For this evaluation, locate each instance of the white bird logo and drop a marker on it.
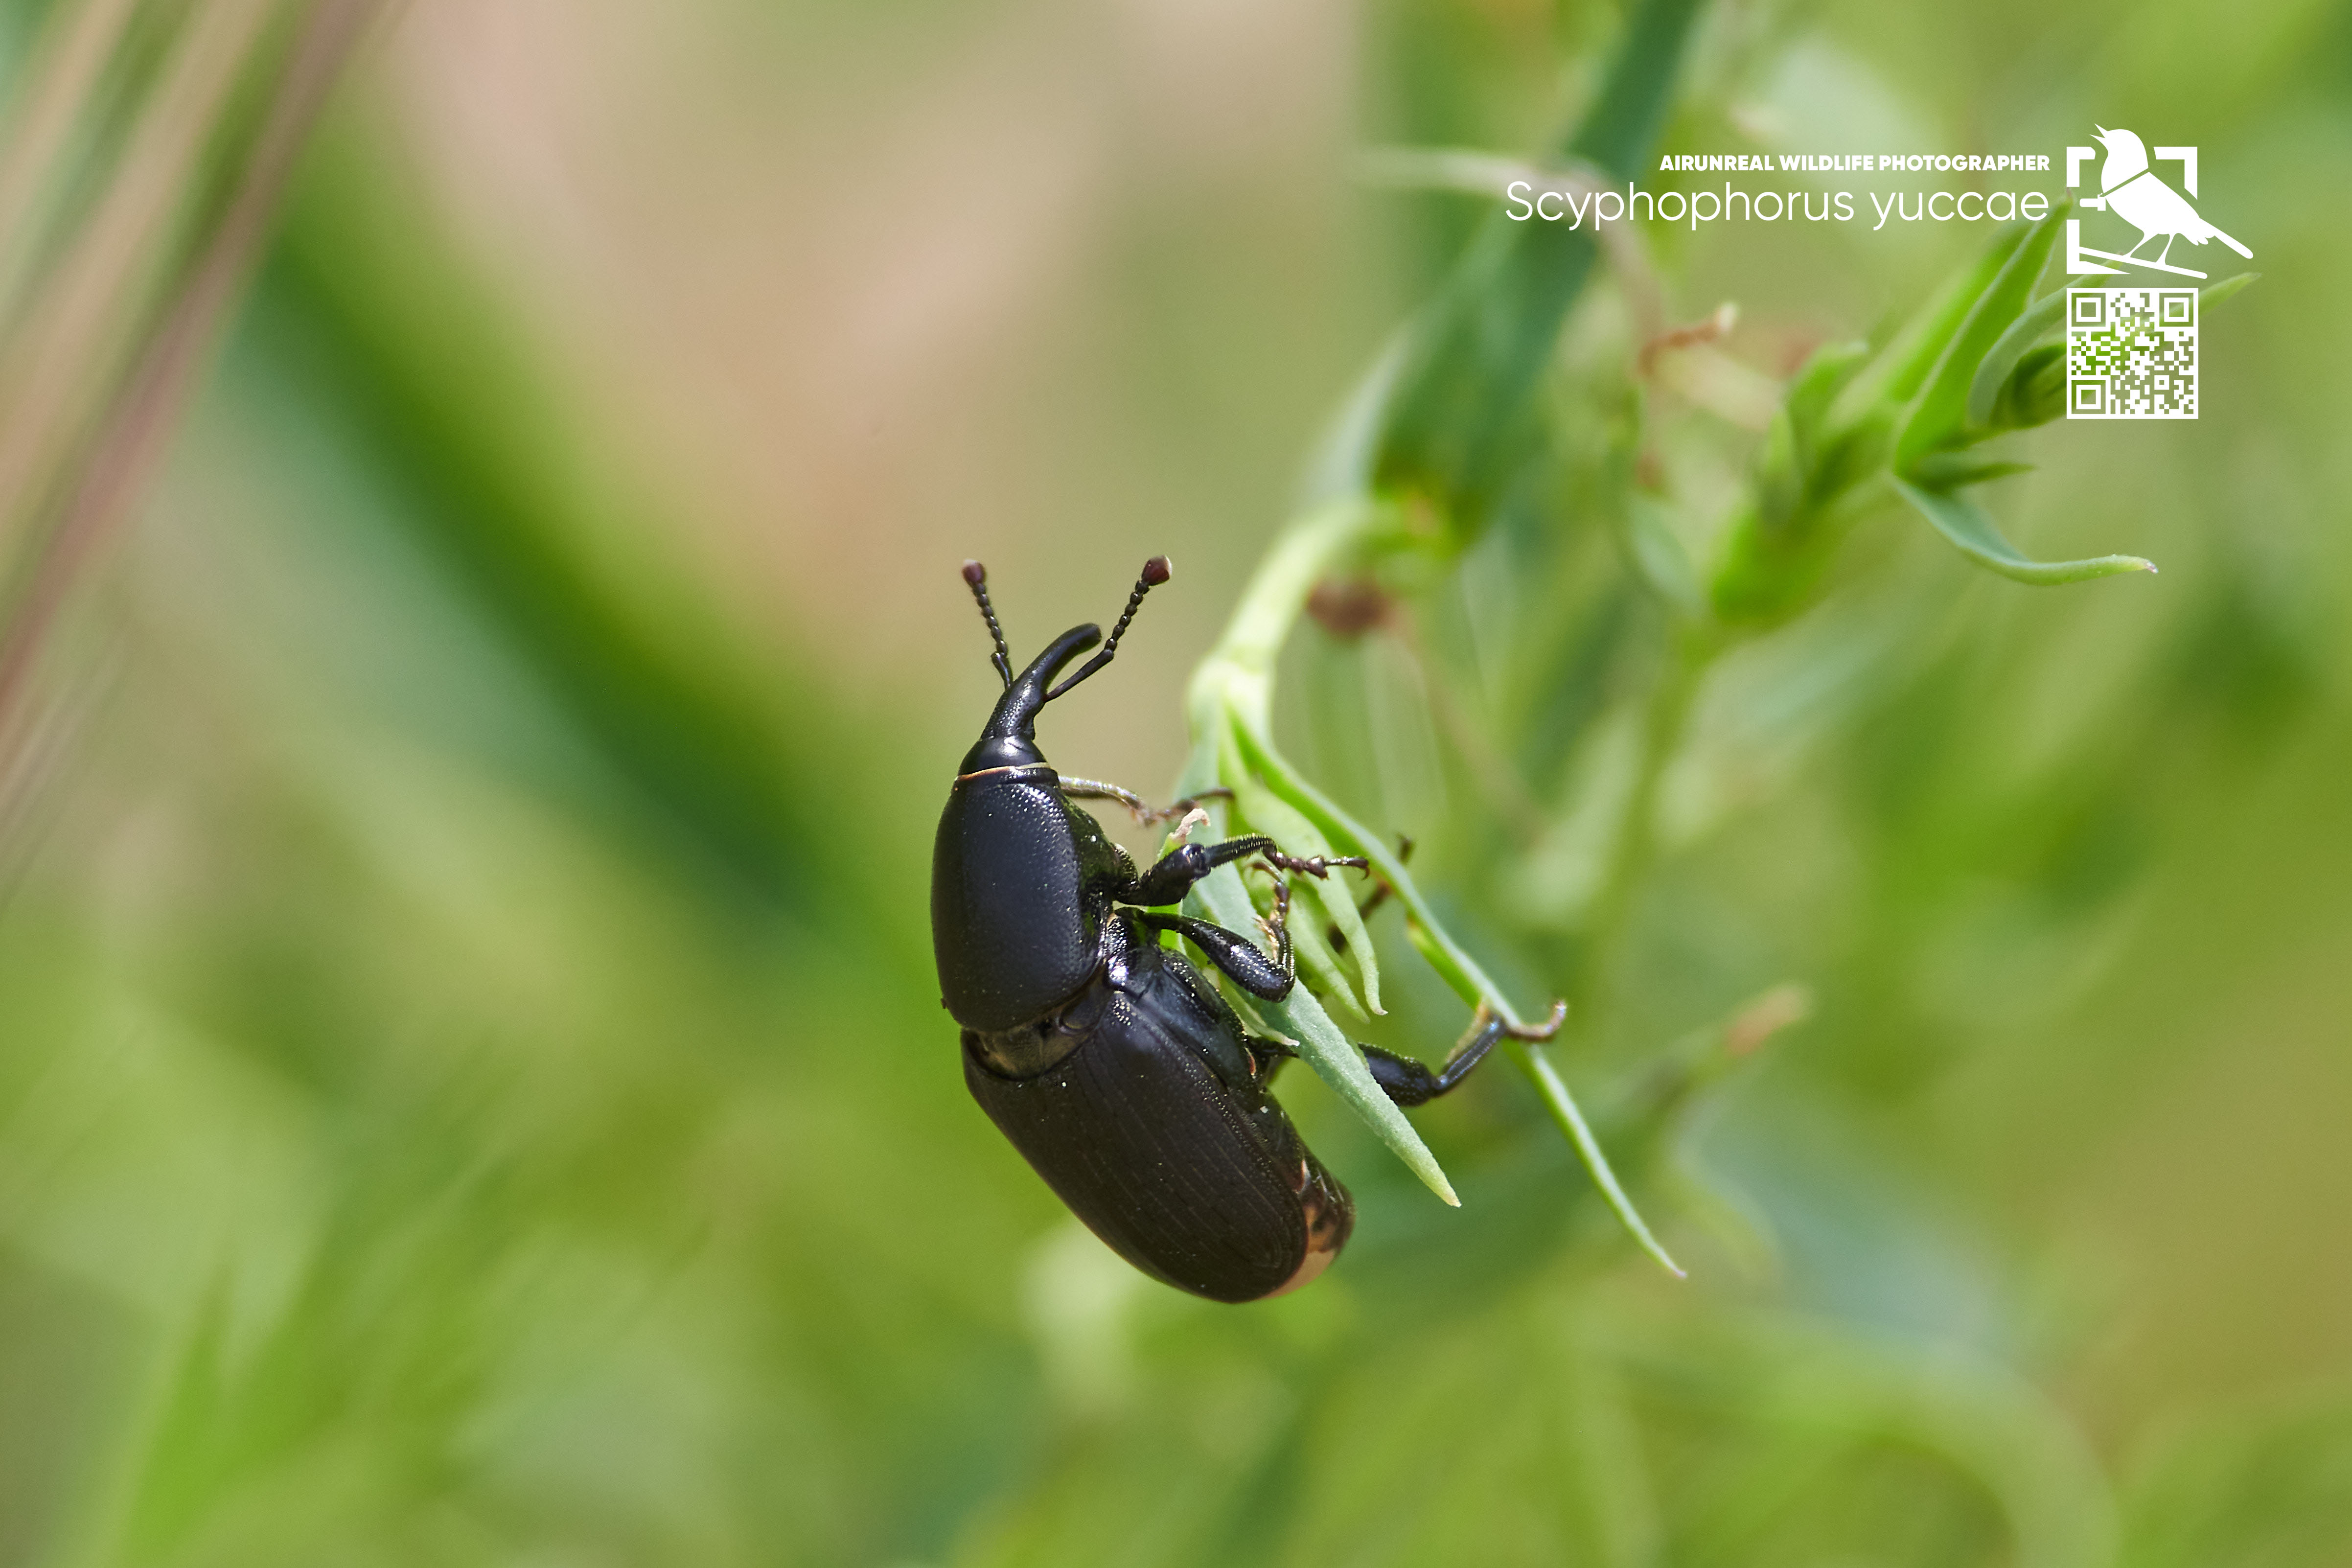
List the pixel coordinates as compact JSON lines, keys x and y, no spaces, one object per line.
{"x":2134,"y":192}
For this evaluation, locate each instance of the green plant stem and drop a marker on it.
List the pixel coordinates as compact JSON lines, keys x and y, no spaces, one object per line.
{"x":1478,"y":351}
{"x":1237,"y":674}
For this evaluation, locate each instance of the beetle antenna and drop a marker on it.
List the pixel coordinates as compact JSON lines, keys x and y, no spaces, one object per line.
{"x":1156,"y":571}
{"x":976,"y":575}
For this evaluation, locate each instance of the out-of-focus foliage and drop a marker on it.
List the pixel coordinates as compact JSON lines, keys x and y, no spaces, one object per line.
{"x":145,"y":148}
{"x":471,"y":1088}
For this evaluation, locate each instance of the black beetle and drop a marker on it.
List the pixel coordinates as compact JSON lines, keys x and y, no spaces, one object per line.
{"x":1111,"y":1062}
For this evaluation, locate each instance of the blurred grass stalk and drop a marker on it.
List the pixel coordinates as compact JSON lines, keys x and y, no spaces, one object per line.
{"x":145,"y":149}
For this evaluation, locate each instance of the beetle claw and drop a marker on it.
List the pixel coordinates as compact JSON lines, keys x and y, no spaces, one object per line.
{"x":1543,"y":1031}
{"x":1275,"y":921}
{"x":1188,"y":808}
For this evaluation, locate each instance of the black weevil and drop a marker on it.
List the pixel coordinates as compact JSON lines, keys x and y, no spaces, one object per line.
{"x":1111,"y":1063}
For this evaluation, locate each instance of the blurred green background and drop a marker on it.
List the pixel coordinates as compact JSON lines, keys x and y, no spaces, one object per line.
{"x":471,"y":1082}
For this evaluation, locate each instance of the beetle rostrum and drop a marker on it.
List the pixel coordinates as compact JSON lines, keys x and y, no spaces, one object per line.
{"x":1112,"y":1064}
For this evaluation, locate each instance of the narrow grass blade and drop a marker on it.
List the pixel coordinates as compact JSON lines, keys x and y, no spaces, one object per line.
{"x":1533,"y":1062}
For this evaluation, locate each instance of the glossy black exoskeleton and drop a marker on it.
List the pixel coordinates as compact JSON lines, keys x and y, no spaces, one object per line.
{"x":1111,"y":1062}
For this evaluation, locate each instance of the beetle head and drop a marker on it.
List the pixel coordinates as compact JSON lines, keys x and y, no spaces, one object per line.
{"x":1010,"y":739}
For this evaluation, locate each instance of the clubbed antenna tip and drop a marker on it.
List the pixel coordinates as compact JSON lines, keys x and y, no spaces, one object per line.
{"x":1156,"y":571}
{"x":975,"y":577}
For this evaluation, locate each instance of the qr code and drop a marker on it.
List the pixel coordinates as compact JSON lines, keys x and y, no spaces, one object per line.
{"x":2131,"y":354}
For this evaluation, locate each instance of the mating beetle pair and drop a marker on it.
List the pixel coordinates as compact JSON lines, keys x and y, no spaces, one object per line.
{"x":1111,"y":1062}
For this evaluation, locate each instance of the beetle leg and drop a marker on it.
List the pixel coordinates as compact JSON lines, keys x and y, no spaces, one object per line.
{"x":1095,"y":789}
{"x":1174,"y":874}
{"x":1239,"y":957}
{"x":1175,"y":808}
{"x":1181,"y":807}
{"x":1404,"y":1080}
{"x":1407,"y":1082}
{"x":1266,"y":1056}
{"x":1143,"y":811}
{"x":1316,"y":866}
{"x":1276,"y":922}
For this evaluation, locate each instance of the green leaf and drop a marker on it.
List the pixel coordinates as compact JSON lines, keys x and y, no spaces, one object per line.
{"x":1314,"y":953}
{"x":1904,"y":365}
{"x":1290,"y":829}
{"x":1937,"y":420}
{"x":1788,"y":469}
{"x":1459,"y":970}
{"x":2000,"y":395}
{"x":1817,"y":384}
{"x":1337,"y":1061}
{"x":1971,"y":530}
{"x":2035,"y":393}
{"x":2214,"y":293}
{"x":1473,"y":359}
{"x":1957,"y":470}
{"x":1984,"y":391}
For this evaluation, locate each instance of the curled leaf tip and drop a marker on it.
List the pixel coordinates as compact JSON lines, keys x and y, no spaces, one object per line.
{"x":1967,"y":526}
